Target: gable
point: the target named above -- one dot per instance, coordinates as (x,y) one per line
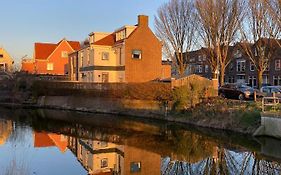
(143,34)
(63,46)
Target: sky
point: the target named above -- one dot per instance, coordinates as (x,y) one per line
(24,22)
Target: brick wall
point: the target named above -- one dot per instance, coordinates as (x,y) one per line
(149,67)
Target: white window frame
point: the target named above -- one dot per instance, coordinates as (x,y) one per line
(206,68)
(136,52)
(50,66)
(105,55)
(242,66)
(252,65)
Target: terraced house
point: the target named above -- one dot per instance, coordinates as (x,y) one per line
(6,61)
(50,58)
(129,54)
(240,70)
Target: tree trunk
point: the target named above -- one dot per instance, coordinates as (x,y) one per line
(260,78)
(222,73)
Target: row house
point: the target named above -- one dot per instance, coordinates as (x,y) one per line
(50,58)
(129,54)
(198,64)
(6,61)
(240,70)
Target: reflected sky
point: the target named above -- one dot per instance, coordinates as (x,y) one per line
(53,142)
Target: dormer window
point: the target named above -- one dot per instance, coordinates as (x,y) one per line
(136,54)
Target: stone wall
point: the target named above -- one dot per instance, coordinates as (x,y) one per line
(104,105)
(270,125)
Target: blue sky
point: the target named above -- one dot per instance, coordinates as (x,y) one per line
(24,22)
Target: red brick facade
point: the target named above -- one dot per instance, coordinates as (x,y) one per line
(149,66)
(50,58)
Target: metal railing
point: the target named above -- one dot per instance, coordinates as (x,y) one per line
(270,101)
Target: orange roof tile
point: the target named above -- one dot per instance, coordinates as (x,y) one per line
(44,50)
(106,41)
(47,140)
(74,44)
(42,140)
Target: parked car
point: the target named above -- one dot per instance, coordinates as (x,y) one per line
(269,90)
(238,91)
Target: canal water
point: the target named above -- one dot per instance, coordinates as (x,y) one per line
(48,142)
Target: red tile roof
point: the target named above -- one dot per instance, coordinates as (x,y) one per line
(48,140)
(44,50)
(106,41)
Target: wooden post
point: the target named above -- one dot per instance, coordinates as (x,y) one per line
(255,96)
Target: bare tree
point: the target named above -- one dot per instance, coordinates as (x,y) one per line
(274,7)
(175,27)
(219,25)
(259,34)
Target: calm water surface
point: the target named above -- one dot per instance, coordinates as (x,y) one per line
(47,142)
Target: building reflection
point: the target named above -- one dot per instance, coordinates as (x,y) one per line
(99,157)
(42,139)
(6,129)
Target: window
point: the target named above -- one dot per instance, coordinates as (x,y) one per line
(104,163)
(135,167)
(104,77)
(200,58)
(276,80)
(277,64)
(241,65)
(241,78)
(252,81)
(206,68)
(252,66)
(192,59)
(105,56)
(50,66)
(1,55)
(204,57)
(231,79)
(200,68)
(136,54)
(64,54)
(265,79)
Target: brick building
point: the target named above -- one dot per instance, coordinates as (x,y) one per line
(50,58)
(240,69)
(129,54)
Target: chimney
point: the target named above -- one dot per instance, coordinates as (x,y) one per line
(143,21)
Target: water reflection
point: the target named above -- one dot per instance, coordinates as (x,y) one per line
(52,142)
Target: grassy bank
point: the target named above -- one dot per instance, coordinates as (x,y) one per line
(234,115)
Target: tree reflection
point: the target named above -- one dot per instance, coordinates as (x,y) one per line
(223,161)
